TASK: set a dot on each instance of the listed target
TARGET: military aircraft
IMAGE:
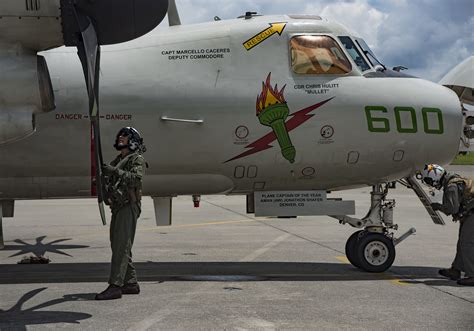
(284, 109)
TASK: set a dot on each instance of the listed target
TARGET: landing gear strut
(373, 248)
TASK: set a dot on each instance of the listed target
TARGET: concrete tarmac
(217, 268)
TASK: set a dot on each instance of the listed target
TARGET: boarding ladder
(425, 200)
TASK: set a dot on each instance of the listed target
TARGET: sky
(430, 37)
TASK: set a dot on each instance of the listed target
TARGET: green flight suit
(464, 259)
(124, 187)
(452, 202)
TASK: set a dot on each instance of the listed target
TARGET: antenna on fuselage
(173, 15)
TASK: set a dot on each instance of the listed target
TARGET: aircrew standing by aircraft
(330, 115)
(458, 201)
(124, 189)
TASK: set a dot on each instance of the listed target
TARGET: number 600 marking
(377, 122)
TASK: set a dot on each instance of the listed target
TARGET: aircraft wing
(34, 24)
(29, 26)
(44, 24)
(461, 80)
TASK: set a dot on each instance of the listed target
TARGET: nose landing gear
(371, 251)
(373, 248)
(351, 245)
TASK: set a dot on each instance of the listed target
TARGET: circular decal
(242, 132)
(327, 131)
(308, 171)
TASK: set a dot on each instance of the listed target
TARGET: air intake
(33, 5)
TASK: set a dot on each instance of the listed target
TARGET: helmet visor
(428, 181)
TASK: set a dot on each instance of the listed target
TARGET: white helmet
(433, 175)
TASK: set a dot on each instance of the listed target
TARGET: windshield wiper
(367, 53)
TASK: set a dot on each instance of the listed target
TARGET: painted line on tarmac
(154, 228)
(267, 223)
(399, 282)
(382, 276)
(252, 256)
(151, 321)
(204, 224)
(147, 323)
(343, 259)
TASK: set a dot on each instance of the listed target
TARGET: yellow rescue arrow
(264, 35)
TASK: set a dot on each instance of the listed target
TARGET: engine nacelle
(16, 124)
(25, 90)
(44, 24)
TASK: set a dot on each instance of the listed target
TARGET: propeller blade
(88, 24)
(102, 213)
(89, 54)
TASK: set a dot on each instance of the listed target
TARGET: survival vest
(118, 193)
(468, 184)
(467, 202)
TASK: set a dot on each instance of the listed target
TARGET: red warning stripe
(93, 165)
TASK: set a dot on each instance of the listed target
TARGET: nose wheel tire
(351, 248)
(375, 252)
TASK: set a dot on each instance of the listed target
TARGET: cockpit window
(367, 51)
(318, 55)
(354, 53)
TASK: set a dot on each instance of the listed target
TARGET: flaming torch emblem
(272, 111)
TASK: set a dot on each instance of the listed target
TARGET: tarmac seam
(332, 249)
(390, 272)
(432, 287)
(252, 256)
(158, 316)
(276, 228)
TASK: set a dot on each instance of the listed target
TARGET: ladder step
(425, 200)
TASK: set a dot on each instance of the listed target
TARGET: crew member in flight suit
(458, 201)
(123, 180)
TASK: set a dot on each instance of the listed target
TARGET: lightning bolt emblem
(295, 121)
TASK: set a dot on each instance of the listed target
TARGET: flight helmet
(135, 141)
(432, 175)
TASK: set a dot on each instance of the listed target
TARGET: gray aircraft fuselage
(192, 92)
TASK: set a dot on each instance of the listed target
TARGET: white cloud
(356, 15)
(428, 36)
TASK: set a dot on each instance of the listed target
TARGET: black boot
(450, 273)
(468, 281)
(131, 288)
(112, 292)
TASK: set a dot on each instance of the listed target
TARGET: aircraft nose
(454, 104)
(451, 106)
(442, 123)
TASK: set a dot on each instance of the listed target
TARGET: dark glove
(436, 206)
(108, 170)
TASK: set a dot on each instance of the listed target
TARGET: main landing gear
(373, 248)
